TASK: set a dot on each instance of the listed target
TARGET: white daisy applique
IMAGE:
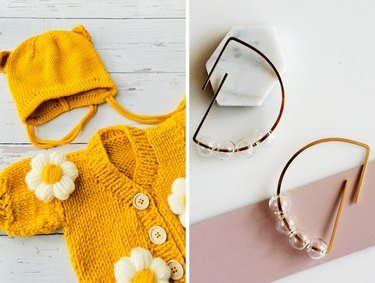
(51, 176)
(177, 199)
(141, 267)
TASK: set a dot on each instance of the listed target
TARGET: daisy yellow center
(51, 174)
(144, 276)
(185, 200)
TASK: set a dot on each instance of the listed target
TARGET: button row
(158, 236)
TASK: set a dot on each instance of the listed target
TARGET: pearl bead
(317, 248)
(285, 225)
(203, 150)
(246, 142)
(298, 240)
(274, 203)
(228, 145)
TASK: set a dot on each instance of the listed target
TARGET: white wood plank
(37, 259)
(140, 93)
(124, 45)
(10, 154)
(94, 9)
(58, 232)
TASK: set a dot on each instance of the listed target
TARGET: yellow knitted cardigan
(99, 220)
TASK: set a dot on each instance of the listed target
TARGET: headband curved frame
(263, 138)
(345, 185)
(325, 140)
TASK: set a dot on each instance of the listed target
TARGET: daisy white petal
(39, 162)
(176, 200)
(176, 204)
(182, 219)
(69, 169)
(60, 192)
(161, 269)
(124, 270)
(44, 192)
(33, 179)
(57, 158)
(141, 258)
(179, 186)
(63, 188)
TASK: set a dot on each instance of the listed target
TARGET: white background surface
(142, 44)
(329, 49)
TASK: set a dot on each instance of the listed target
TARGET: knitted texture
(55, 72)
(100, 222)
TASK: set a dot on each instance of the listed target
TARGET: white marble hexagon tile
(142, 44)
(250, 78)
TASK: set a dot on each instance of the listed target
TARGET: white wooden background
(142, 43)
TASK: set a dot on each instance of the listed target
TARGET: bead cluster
(232, 147)
(315, 248)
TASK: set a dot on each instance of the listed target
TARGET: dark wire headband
(279, 204)
(262, 138)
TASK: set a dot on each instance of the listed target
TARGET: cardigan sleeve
(21, 212)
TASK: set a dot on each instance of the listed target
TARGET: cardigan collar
(106, 172)
(143, 143)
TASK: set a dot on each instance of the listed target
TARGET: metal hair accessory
(246, 146)
(279, 204)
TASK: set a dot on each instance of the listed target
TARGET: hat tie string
(144, 119)
(65, 140)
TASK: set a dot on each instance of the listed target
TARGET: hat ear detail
(80, 29)
(4, 55)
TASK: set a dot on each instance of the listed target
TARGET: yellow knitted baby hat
(52, 73)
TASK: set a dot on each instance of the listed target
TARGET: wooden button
(177, 271)
(158, 235)
(141, 201)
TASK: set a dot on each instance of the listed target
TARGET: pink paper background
(244, 246)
